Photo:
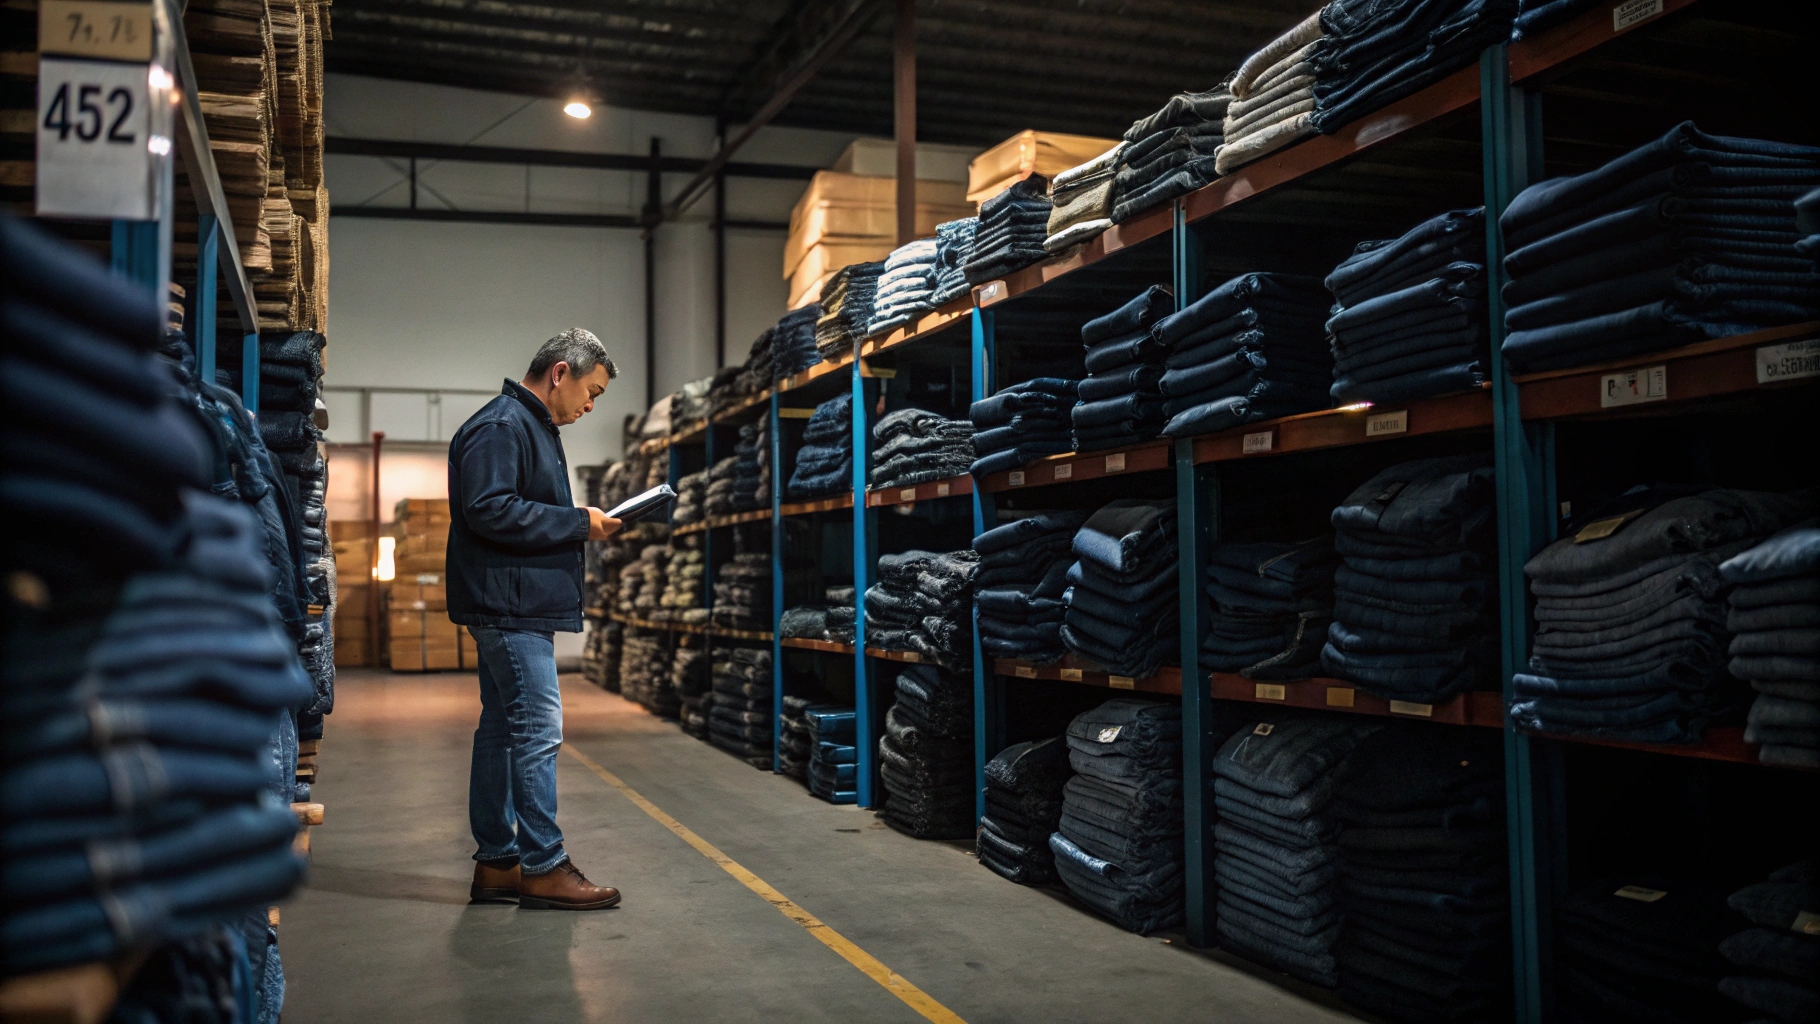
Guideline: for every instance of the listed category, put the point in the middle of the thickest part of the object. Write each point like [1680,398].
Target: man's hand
[600,525]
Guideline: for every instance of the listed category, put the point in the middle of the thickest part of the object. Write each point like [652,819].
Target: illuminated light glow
[1355,407]
[388,569]
[160,145]
[158,78]
[578,110]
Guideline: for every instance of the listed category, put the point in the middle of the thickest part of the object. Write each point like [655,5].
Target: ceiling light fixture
[578,109]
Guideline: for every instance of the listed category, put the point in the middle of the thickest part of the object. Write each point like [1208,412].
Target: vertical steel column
[720,254]
[374,655]
[865,554]
[134,254]
[903,90]
[249,372]
[652,215]
[988,692]
[777,590]
[208,255]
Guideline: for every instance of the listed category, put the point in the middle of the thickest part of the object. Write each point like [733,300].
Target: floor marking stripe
[894,983]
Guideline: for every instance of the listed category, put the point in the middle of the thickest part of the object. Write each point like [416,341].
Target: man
[514,579]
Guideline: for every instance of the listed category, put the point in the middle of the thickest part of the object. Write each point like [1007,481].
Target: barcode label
[1789,361]
[1631,12]
[1632,387]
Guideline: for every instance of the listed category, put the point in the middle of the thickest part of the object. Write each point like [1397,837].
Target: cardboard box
[1026,153]
[413,656]
[350,529]
[854,209]
[436,543]
[421,641]
[354,558]
[878,158]
[407,507]
[405,566]
[352,653]
[415,596]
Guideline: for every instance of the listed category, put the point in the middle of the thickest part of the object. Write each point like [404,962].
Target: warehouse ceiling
[985,68]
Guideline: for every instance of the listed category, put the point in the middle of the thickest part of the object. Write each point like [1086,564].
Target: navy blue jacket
[515,538]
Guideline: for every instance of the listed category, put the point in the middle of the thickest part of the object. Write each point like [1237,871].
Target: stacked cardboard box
[843,219]
[422,639]
[353,543]
[1027,153]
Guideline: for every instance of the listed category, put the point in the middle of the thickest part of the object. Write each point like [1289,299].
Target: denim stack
[1414,600]
[833,759]
[923,602]
[1023,809]
[750,377]
[793,341]
[1170,153]
[1537,16]
[1081,201]
[1379,52]
[1782,950]
[846,306]
[1630,616]
[953,248]
[1642,949]
[1120,403]
[1022,423]
[1122,592]
[926,755]
[1807,222]
[752,466]
[833,621]
[1276,841]
[722,480]
[1272,605]
[1248,350]
[1409,317]
[691,499]
[1012,227]
[1022,583]
[684,588]
[644,674]
[740,722]
[742,592]
[914,447]
[1273,97]
[1687,238]
[1424,879]
[1118,848]
[692,684]
[824,464]
[1774,618]
[904,286]
[795,742]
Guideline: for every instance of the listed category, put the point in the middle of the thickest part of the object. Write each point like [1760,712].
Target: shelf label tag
[97,29]
[1640,894]
[1024,672]
[912,656]
[1632,12]
[1261,441]
[1791,360]
[1115,463]
[104,137]
[941,490]
[1379,424]
[1017,478]
[1271,691]
[906,494]
[1065,471]
[991,292]
[1073,675]
[1409,707]
[1339,696]
[1121,682]
[788,413]
[1631,387]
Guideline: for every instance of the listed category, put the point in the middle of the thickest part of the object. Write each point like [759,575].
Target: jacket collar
[530,401]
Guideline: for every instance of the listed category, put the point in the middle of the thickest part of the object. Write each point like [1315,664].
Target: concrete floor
[383,930]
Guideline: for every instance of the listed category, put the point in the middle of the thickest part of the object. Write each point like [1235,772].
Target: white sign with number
[104,138]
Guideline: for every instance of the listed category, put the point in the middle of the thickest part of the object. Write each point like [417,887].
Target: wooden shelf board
[1722,743]
[805,644]
[741,407]
[1709,369]
[920,492]
[1349,425]
[927,325]
[1151,223]
[1073,466]
[814,373]
[699,526]
[803,508]
[1590,30]
[1482,709]
[1072,670]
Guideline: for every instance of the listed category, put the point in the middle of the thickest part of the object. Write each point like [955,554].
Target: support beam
[903,65]
[401,150]
[653,215]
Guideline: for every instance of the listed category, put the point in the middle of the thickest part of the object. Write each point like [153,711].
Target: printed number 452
[88,117]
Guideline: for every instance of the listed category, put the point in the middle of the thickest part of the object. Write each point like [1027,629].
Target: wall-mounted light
[387,569]
[578,109]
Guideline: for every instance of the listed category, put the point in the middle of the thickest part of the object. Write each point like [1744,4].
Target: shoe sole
[477,895]
[532,903]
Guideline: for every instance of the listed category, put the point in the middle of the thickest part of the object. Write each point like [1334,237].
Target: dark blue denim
[1139,314]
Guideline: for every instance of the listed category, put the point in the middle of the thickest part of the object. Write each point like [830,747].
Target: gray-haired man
[514,579]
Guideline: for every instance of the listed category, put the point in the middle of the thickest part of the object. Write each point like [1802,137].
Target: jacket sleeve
[492,507]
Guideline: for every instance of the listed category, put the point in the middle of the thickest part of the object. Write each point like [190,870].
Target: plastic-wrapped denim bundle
[926,755]
[1807,222]
[923,602]
[1537,16]
[1012,227]
[1272,605]
[1023,809]
[1424,879]
[833,759]
[740,720]
[1273,97]
[914,446]
[1122,591]
[1118,847]
[742,592]
[1081,201]
[905,285]
[1276,841]
[752,466]
[953,248]
[1631,638]
[1782,949]
[824,464]
[1248,350]
[1642,949]
[1169,153]
[1774,618]
[1409,317]
[795,743]
[717,500]
[1686,238]
[1120,403]
[1378,52]
[793,348]
[1022,423]
[846,305]
[1414,599]
[1022,582]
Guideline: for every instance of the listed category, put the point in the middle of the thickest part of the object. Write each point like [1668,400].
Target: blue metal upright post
[988,693]
[865,552]
[134,253]
[777,590]
[208,255]
[249,372]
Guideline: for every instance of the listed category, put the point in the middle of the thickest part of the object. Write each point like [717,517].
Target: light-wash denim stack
[904,287]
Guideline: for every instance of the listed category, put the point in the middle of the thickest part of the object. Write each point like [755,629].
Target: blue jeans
[512,785]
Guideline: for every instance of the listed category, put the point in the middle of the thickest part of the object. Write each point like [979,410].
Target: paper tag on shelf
[1380,423]
[1064,471]
[788,413]
[1121,682]
[96,29]
[991,292]
[1115,463]
[1339,696]
[941,490]
[1073,675]
[1024,671]
[1270,691]
[1410,707]
[104,138]
[1017,478]
[1630,387]
[906,494]
[1640,894]
[1261,441]
[912,656]
[1790,360]
[878,372]
[1632,12]
[1807,923]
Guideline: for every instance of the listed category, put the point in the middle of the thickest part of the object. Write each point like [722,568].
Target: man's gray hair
[576,346]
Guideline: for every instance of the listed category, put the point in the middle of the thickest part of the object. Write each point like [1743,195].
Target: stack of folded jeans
[1424,878]
[1807,222]
[905,286]
[722,481]
[1081,201]
[833,621]
[742,592]
[923,602]
[1248,350]
[1023,423]
[846,305]
[1272,605]
[644,674]
[691,681]
[1630,616]
[723,389]
[1687,238]
[1273,100]
[1774,618]
[1409,313]
[953,248]
[1537,16]
[1122,592]
[1118,847]
[914,447]
[752,376]
[1378,52]
[794,742]
[1021,584]
[740,722]
[1642,949]
[793,341]
[824,464]
[1012,227]
[1276,841]
[926,755]
[1170,153]
[1782,950]
[689,406]
[641,582]
[1120,403]
[833,759]
[684,587]
[752,466]
[1023,809]
[691,499]
[1414,601]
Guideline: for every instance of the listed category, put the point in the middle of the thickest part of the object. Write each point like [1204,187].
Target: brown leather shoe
[492,884]
[564,888]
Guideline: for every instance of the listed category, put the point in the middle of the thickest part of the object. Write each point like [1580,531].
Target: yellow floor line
[894,983]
